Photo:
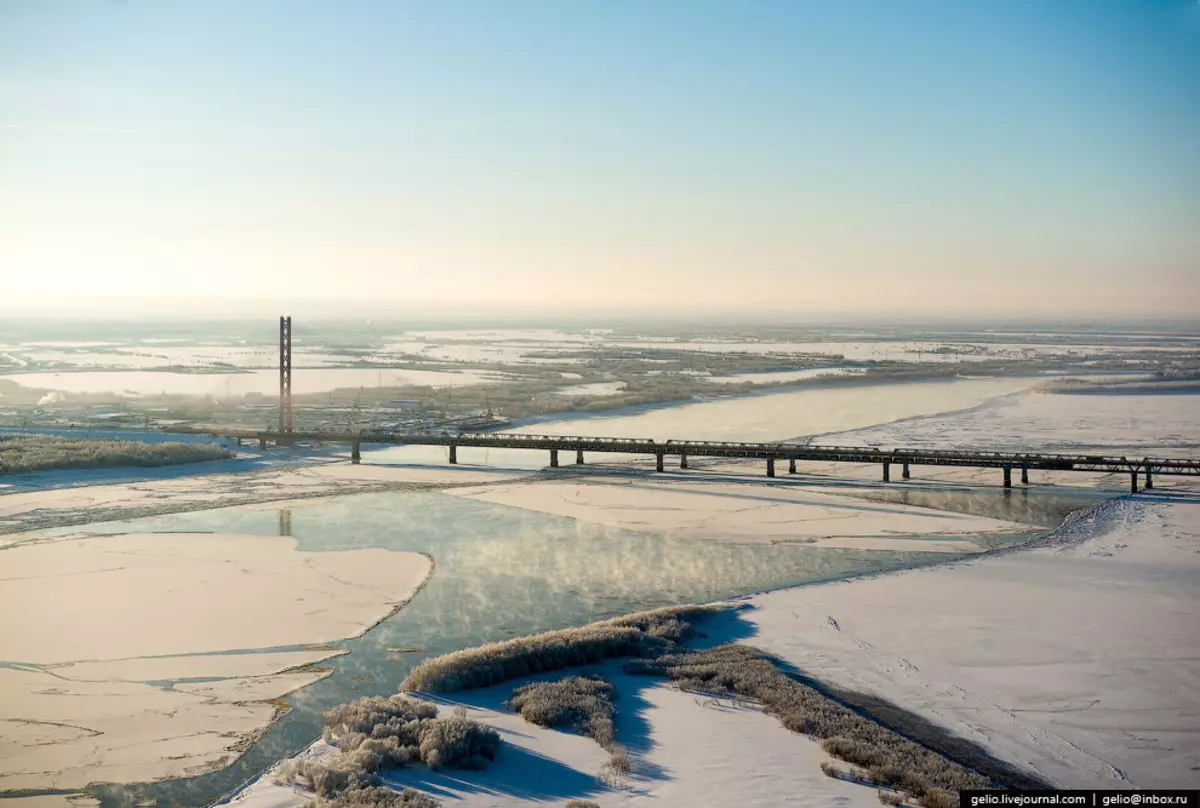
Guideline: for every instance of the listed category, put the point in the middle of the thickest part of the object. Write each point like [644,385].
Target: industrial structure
[285,375]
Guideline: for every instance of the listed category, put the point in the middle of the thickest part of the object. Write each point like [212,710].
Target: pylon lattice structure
[285,374]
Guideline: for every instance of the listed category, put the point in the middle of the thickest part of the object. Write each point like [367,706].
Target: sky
[801,158]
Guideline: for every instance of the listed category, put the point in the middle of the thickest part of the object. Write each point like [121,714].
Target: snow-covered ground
[591,389]
[777,376]
[1136,424]
[1075,660]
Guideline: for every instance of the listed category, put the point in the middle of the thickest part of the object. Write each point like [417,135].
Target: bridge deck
[768,451]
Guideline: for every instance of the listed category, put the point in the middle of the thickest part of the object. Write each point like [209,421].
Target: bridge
[769,452]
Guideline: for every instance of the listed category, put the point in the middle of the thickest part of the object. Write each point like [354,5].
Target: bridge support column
[1149,478]
[1133,482]
[453,455]
[904,471]
[791,465]
[262,444]
[1024,475]
[1008,476]
[658,461]
[683,461]
[355,452]
[887,472]
[579,457]
[770,467]
[554,458]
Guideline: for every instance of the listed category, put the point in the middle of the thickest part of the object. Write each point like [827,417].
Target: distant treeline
[26,453]
[1079,387]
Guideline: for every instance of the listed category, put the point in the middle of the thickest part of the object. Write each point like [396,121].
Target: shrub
[892,799]
[396,717]
[639,634]
[585,703]
[458,742]
[833,771]
[617,767]
[377,797]
[939,798]
[375,733]
[582,804]
[375,754]
[328,778]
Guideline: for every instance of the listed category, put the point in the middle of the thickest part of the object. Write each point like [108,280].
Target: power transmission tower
[285,374]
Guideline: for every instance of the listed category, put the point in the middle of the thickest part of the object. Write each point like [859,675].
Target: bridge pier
[770,467]
[658,461]
[1149,478]
[1008,476]
[887,472]
[683,460]
[579,457]
[791,465]
[1024,475]
[355,452]
[554,458]
[1133,482]
[453,455]
[262,444]
[904,471]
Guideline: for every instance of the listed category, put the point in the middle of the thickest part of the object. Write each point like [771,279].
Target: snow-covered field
[1163,424]
[778,376]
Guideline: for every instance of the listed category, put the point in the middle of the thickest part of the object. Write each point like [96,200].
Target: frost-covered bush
[377,797]
[375,754]
[373,734]
[640,634]
[458,742]
[329,777]
[397,717]
[617,767]
[377,733]
[584,703]
[26,453]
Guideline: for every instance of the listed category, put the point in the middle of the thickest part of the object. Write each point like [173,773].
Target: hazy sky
[898,157]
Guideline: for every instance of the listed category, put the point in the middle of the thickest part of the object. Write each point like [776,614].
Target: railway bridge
[771,453]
